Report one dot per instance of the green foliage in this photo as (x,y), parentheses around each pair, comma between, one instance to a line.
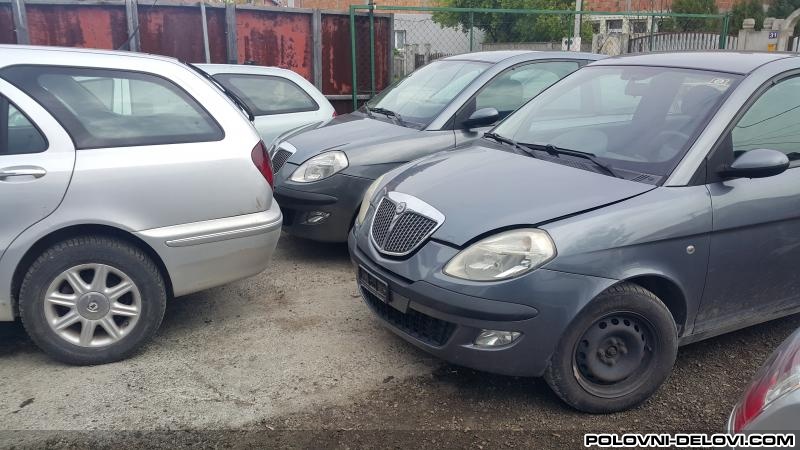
(692,23)
(500,27)
(746,9)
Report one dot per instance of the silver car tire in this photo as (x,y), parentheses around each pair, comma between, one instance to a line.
(92,300)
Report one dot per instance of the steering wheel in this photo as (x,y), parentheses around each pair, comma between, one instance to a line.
(667,144)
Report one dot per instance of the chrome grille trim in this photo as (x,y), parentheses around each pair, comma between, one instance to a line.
(280,154)
(400,233)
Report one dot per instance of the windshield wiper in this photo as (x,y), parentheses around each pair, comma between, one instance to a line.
(511,142)
(388,113)
(231,95)
(555,151)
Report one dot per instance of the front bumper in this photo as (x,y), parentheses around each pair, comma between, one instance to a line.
(211,253)
(339,196)
(443,317)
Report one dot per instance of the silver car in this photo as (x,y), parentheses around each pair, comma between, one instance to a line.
(280,100)
(125,179)
(772,400)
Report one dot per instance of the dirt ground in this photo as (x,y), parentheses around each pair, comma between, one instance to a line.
(293,358)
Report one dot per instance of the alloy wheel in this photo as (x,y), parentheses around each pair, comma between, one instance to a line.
(92,305)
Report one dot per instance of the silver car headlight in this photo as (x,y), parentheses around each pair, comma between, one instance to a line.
(320,167)
(505,255)
(365,202)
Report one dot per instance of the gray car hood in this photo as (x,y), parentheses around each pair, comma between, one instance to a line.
(349,133)
(481,189)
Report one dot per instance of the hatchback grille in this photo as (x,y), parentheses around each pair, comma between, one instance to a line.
(427,329)
(399,234)
(279,159)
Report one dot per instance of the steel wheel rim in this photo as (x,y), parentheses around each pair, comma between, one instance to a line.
(92,305)
(601,348)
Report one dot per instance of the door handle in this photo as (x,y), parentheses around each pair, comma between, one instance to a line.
(22,171)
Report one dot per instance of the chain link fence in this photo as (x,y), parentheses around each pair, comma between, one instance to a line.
(420,35)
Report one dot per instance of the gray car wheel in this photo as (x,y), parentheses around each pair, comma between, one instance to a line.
(616,353)
(92,300)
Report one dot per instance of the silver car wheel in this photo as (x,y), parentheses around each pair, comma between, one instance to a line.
(92,305)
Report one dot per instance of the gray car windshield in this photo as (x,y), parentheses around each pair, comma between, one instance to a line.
(420,97)
(635,119)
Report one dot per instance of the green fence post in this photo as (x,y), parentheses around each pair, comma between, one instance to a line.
(723,36)
(471,29)
(372,47)
(353,55)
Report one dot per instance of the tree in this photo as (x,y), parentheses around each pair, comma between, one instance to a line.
(696,7)
(746,9)
(503,27)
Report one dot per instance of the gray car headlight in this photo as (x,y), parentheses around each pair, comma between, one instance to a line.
(320,167)
(505,255)
(365,202)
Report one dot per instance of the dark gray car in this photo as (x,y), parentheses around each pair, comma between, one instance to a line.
(641,203)
(322,173)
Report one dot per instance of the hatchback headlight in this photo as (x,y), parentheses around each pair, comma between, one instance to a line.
(502,256)
(365,202)
(320,167)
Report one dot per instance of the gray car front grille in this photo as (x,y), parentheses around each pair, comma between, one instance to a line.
(279,159)
(399,233)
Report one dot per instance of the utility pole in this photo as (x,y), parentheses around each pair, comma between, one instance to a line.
(576,34)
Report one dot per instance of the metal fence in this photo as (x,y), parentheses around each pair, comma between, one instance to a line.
(311,42)
(423,34)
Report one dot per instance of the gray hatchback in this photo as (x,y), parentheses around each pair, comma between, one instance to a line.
(321,173)
(641,203)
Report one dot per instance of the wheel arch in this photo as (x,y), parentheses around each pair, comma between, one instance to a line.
(669,292)
(81,230)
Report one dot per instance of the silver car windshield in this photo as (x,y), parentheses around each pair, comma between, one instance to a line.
(422,95)
(637,118)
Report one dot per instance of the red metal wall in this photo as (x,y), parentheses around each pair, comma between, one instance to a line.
(272,38)
(178,31)
(70,26)
(7,35)
(337,73)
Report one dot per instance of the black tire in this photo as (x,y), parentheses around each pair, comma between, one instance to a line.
(600,366)
(109,251)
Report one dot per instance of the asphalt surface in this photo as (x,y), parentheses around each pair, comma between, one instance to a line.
(293,358)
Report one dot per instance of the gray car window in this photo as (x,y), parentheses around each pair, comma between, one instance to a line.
(423,94)
(18,134)
(266,94)
(115,108)
(773,121)
(633,117)
(514,87)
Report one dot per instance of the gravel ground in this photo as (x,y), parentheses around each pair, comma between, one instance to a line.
(292,358)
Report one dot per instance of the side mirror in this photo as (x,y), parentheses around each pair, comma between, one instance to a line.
(758,163)
(482,117)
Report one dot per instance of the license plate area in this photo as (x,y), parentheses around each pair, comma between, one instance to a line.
(380,289)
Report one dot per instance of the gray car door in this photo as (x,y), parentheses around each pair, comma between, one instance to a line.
(755,241)
(36,162)
(509,90)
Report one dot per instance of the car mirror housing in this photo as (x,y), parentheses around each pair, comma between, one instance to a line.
(758,163)
(482,117)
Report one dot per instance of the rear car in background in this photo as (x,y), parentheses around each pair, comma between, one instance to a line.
(771,403)
(125,179)
(280,100)
(321,173)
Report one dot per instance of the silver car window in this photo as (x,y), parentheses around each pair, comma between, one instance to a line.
(18,134)
(116,108)
(266,94)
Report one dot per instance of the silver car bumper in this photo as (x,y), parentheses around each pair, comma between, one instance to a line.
(202,255)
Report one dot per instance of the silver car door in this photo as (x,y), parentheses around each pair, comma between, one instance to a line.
(36,161)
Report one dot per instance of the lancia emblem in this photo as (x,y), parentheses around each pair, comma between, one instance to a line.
(400,208)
